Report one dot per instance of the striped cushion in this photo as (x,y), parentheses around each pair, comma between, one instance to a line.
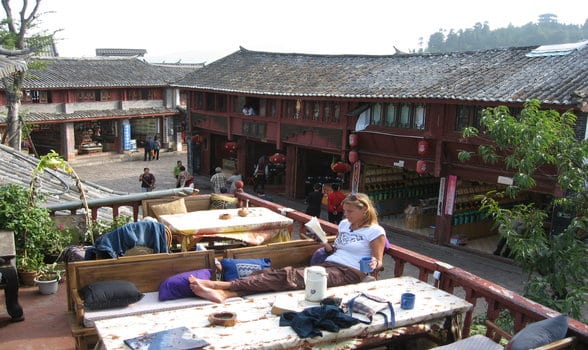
(477,342)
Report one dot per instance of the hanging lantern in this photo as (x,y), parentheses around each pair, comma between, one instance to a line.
(197,139)
(231,146)
(421,166)
(422,147)
(340,167)
(353,156)
(277,158)
(353,140)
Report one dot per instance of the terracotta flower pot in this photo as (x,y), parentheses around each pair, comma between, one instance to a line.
(27,278)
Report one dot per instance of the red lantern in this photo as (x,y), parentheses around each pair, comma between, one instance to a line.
(421,166)
(353,156)
(230,146)
(422,148)
(340,167)
(353,140)
(277,158)
(197,139)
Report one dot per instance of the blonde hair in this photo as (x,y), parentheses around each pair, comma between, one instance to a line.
(362,201)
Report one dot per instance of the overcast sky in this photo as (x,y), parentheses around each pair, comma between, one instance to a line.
(196,31)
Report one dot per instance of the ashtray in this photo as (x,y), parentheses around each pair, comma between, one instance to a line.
(225,216)
(226,319)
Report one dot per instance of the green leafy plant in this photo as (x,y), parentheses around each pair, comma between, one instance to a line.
(35,233)
(540,143)
(49,272)
(100,227)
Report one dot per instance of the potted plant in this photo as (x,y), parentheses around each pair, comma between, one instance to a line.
(21,211)
(48,277)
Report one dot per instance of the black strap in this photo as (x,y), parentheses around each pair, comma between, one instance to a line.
(370,317)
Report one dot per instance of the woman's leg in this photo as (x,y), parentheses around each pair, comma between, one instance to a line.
(217,291)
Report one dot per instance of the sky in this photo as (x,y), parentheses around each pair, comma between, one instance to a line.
(202,31)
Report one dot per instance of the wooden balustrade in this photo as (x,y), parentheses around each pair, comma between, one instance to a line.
(449,278)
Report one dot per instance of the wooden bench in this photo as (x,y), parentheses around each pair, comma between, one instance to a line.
(193,203)
(145,271)
(295,253)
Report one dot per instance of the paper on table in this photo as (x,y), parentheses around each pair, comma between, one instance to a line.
(288,302)
(170,339)
(315,228)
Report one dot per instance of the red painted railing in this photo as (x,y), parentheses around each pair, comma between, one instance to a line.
(449,278)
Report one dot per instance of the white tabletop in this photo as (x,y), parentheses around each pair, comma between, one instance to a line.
(208,221)
(258,328)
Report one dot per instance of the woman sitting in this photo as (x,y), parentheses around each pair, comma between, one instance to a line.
(359,235)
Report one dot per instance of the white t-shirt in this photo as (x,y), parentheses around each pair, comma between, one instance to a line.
(351,246)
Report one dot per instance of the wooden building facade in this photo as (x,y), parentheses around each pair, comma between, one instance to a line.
(78,106)
(397,118)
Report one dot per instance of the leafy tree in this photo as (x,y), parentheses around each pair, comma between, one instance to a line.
(530,144)
(546,31)
(18,40)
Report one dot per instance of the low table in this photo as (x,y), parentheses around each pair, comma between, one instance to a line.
(260,226)
(258,328)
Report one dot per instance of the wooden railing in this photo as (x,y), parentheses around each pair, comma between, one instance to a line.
(447,277)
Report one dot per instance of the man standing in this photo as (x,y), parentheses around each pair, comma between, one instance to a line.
(314,201)
(334,206)
(148,148)
(147,180)
(218,180)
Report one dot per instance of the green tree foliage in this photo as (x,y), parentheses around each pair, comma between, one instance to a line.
(546,31)
(20,38)
(529,145)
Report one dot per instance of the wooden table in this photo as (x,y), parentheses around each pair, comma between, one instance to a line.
(260,226)
(258,328)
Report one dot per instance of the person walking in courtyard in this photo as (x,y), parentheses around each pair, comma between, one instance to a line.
(177,170)
(314,201)
(156,147)
(334,206)
(148,148)
(218,180)
(259,175)
(184,178)
(232,179)
(147,180)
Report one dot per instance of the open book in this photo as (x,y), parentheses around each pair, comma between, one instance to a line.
(315,229)
(176,338)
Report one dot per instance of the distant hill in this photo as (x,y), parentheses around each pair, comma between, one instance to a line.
(546,31)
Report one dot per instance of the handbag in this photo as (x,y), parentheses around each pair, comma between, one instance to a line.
(370,305)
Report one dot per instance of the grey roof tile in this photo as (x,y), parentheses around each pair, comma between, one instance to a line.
(102,72)
(497,75)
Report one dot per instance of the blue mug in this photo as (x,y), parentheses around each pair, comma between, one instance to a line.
(407,301)
(364,264)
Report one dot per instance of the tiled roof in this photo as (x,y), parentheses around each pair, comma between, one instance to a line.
(497,75)
(10,65)
(102,72)
(57,187)
(34,117)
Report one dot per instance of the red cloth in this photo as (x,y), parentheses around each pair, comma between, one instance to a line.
(334,200)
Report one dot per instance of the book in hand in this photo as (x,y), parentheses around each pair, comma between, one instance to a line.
(315,229)
(180,338)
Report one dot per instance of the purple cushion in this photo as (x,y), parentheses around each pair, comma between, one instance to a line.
(178,286)
(319,256)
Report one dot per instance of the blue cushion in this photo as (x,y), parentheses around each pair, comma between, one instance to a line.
(178,286)
(539,333)
(237,268)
